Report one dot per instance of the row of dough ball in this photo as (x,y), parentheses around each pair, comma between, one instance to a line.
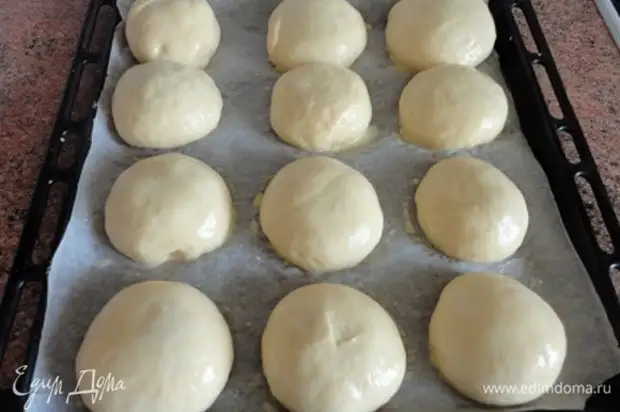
(419,33)
(325,347)
(317,212)
(319,104)
(327,108)
(318,107)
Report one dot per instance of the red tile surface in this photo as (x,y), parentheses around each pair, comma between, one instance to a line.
(37,41)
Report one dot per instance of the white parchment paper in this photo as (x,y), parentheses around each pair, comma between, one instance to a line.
(246,280)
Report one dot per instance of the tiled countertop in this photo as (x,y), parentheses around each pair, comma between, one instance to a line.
(37,42)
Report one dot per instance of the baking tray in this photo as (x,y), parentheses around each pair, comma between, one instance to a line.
(552,131)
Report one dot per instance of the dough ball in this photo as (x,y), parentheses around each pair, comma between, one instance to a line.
(321,214)
(452,107)
(315,31)
(489,329)
(331,348)
(470,210)
(424,33)
(166,341)
(321,107)
(168,207)
(163,105)
(183,31)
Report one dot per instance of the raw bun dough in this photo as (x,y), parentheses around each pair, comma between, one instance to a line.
(163,105)
(168,344)
(424,33)
(321,215)
(489,329)
(183,31)
(321,107)
(331,348)
(452,107)
(168,207)
(470,210)
(313,31)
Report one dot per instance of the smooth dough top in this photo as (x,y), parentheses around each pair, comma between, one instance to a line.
(183,31)
(168,207)
(452,107)
(163,105)
(321,107)
(321,215)
(470,210)
(315,31)
(331,348)
(166,341)
(424,33)
(489,329)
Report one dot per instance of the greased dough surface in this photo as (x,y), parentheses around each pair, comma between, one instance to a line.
(163,105)
(166,341)
(313,31)
(489,329)
(183,31)
(470,210)
(321,215)
(168,207)
(424,33)
(321,107)
(452,107)
(331,348)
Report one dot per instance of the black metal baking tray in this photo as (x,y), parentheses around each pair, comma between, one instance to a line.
(553,134)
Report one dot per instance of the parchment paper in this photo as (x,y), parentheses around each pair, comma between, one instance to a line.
(246,280)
